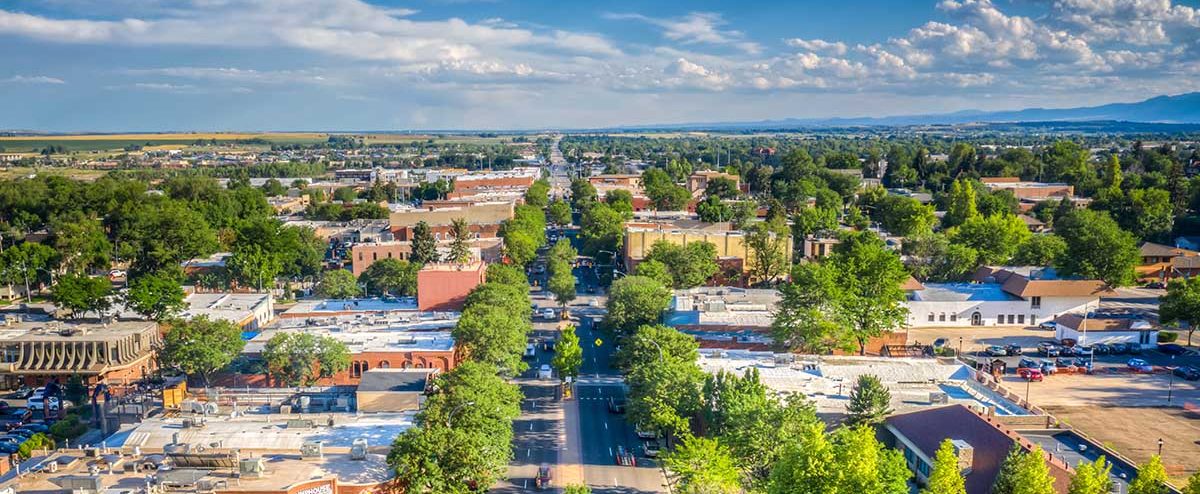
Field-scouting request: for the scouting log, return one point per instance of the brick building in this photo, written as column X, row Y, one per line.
column 483, row 219
column 36, row 352
column 444, row 287
column 363, row 255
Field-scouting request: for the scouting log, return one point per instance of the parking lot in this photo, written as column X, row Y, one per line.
column 1128, row 411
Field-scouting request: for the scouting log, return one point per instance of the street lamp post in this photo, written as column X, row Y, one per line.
column 1171, row 383
column 1160, row 444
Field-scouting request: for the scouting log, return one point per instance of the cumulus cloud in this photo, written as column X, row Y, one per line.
column 819, row 45
column 33, row 79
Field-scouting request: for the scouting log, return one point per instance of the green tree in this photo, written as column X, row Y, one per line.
column 520, row 247
column 1024, row 473
column 568, row 355
column 702, row 466
column 995, row 238
column 1112, row 173
column 254, row 267
column 866, row 465
column 603, row 229
column 1181, row 304
column 960, row 205
column 83, row 294
column 507, row 275
column 577, row 489
column 664, row 381
column 713, row 210
column 1193, row 485
column 494, row 335
column 663, row 192
column 303, row 359
column 560, row 213
column 424, row 247
column 460, row 252
column 583, row 194
column 1041, row 250
column 903, row 216
column 391, row 277
column 810, row 221
column 689, row 265
column 721, row 188
column 807, row 464
column 767, row 244
column 634, row 301
column 338, row 283
column 870, row 402
column 656, row 270
column 932, row 257
column 1151, row 213
column 1099, row 248
column 1151, row 478
column 157, row 296
column 1093, row 478
column 561, row 283
column 36, row 442
column 201, row 346
column 345, row 194
column 463, row 435
column 81, row 242
column 273, row 187
column 538, row 194
column 945, row 477
column 620, row 201
column 25, row 263
column 562, row 253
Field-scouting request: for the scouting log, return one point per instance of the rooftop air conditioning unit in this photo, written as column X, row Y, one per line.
column 358, row 450
column 311, row 449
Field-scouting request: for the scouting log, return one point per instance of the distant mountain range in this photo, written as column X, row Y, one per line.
column 1178, row 109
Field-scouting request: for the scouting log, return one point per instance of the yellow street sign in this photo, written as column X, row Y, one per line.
column 598, row 342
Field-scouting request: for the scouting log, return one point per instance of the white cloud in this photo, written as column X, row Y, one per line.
column 819, row 45
column 33, row 79
column 696, row 27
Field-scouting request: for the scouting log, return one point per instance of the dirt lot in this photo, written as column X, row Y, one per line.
column 1134, row 432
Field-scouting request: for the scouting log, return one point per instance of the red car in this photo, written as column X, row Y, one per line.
column 1034, row 375
column 625, row 458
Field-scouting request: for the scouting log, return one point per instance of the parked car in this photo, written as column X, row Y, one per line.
column 645, row 433
column 1045, row 366
column 1048, row 326
column 1049, row 349
column 1014, row 349
column 1139, row 365
column 1066, row 351
column 530, row 350
column 1101, row 349
column 9, row 448
column 616, row 405
column 1172, row 349
column 1084, row 351
column 543, row 477
column 625, row 458
column 1187, row 373
column 1118, row 348
column 548, row 313
column 23, row 393
column 544, row 372
column 1034, row 375
column 1133, row 349
column 37, row 427
column 650, row 449
column 11, row 438
column 1157, row 285
column 995, row 351
column 1048, row 367
column 40, row 403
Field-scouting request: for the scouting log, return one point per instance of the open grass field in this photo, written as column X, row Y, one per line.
column 78, row 174
column 110, row 142
column 437, row 139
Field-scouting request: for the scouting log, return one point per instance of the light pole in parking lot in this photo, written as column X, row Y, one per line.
column 1171, row 383
column 1160, row 443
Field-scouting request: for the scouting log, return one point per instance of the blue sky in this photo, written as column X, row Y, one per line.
column 125, row 65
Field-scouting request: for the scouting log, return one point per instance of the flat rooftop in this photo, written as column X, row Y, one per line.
column 227, row 306
column 336, row 306
column 963, row 292
column 266, row 432
column 428, row 332
column 73, row 331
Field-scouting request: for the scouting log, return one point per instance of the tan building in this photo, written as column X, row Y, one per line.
column 698, row 181
column 729, row 244
column 482, row 218
column 288, row 204
column 36, row 352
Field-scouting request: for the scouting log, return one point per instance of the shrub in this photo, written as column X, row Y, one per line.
column 68, row 428
column 1167, row 337
column 35, row 442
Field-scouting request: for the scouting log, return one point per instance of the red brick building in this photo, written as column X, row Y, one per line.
column 444, row 287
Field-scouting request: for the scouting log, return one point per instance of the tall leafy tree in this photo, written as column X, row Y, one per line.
column 807, row 464
column 559, row 213
column 568, row 355
column 494, row 335
column 870, row 402
column 201, row 346
column 1151, row 478
column 620, row 201
column 1181, row 304
column 995, row 238
column 634, row 301
column 507, row 275
column 561, row 282
column 81, row 242
column 338, row 283
column 424, row 247
column 1193, row 485
column 664, row 381
column 866, row 465
column 702, row 466
column 157, row 296
column 656, row 270
column 303, row 359
column 254, row 267
column 1092, row 477
column 769, row 258
column 28, row 264
column 602, row 229
column 960, row 204
column 83, row 294
column 391, row 277
column 1024, row 473
column 689, row 265
column 1099, row 248
column 945, row 476
column 538, row 194
column 1041, row 250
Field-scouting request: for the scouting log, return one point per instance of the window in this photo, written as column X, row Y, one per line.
column 360, row 256
column 385, row 365
column 1020, row 318
column 999, row 318
column 1035, row 302
column 922, row 467
column 374, row 256
column 953, row 316
column 1010, row 319
column 930, row 317
column 942, row 317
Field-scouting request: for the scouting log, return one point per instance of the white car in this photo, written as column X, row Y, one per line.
column 40, row 403
column 544, row 372
column 548, row 313
column 530, row 350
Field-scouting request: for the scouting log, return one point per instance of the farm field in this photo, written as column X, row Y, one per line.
column 109, row 142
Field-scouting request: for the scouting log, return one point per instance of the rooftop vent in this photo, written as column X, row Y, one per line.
column 965, row 454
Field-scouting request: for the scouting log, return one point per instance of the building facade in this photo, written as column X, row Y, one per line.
column 35, row 353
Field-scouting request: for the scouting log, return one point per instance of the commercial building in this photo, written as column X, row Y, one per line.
column 1164, row 262
column 444, row 287
column 363, row 255
column 393, row 390
column 730, row 244
column 698, row 181
column 249, row 311
column 1002, row 296
column 980, row 442
column 483, row 219
column 521, row 177
column 361, row 307
column 395, row 341
column 1029, row 191
column 34, row 353
column 1105, row 328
